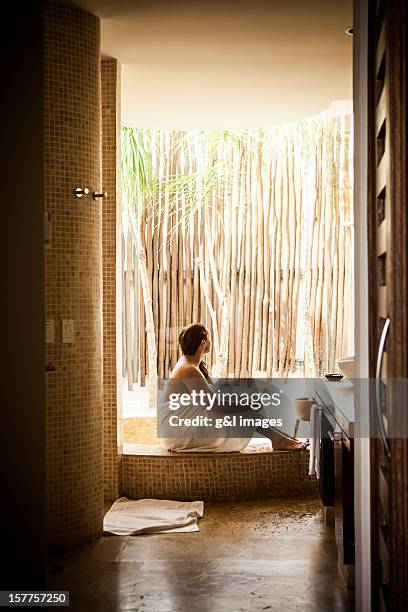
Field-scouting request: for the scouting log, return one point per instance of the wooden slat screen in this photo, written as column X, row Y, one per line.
column 267, row 223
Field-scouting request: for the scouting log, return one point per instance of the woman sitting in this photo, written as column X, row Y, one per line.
column 190, row 374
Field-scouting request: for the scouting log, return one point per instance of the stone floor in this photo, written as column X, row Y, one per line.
column 248, row 556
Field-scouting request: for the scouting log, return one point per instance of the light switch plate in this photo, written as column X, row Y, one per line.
column 68, row 331
column 49, row 331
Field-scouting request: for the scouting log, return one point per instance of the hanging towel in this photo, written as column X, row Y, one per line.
column 315, row 435
column 132, row 517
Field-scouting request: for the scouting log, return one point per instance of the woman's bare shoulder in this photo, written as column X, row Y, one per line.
column 186, row 370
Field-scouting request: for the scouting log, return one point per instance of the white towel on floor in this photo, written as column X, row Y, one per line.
column 132, row 517
column 315, row 434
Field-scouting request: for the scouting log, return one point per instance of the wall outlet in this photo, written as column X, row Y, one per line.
column 68, row 331
column 49, row 331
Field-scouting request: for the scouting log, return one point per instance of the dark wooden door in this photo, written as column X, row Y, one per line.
column 388, row 290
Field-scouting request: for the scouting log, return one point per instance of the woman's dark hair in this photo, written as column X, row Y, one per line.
column 190, row 339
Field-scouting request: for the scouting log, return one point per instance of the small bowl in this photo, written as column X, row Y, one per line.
column 333, row 377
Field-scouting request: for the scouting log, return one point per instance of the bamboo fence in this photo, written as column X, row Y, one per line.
column 262, row 253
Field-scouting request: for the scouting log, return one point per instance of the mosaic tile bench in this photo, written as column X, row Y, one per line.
column 256, row 473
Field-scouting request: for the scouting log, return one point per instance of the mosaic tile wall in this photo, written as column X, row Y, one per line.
column 112, row 423
column 217, row 477
column 73, row 268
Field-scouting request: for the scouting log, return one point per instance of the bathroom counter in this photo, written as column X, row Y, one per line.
column 336, row 485
column 338, row 399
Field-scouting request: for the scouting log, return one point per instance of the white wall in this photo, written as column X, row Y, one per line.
column 222, row 64
column 362, row 445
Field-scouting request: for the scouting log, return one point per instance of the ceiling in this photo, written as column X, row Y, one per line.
column 227, row 64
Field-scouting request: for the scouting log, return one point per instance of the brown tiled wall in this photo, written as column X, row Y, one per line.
column 112, row 424
column 217, row 477
column 73, row 273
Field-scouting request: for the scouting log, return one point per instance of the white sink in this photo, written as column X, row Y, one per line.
column 346, row 366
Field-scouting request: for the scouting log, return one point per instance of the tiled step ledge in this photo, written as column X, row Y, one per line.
column 154, row 472
column 156, row 450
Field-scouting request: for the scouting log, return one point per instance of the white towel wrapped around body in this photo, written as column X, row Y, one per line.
column 226, row 440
